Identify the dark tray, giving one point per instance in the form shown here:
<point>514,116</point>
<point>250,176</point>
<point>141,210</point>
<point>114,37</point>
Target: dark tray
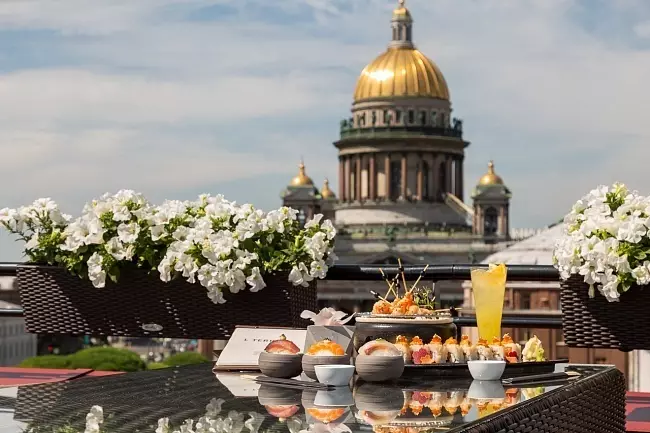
<point>461,370</point>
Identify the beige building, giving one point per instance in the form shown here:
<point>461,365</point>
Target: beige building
<point>400,176</point>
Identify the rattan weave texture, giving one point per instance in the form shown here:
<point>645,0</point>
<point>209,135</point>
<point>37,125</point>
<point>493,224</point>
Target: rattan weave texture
<point>595,404</point>
<point>58,302</point>
<point>595,322</point>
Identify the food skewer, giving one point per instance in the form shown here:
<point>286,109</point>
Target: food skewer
<point>401,269</point>
<point>420,277</point>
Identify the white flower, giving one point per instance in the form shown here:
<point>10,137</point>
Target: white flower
<point>603,241</point>
<point>255,280</point>
<point>318,269</point>
<point>299,275</point>
<point>314,222</point>
<point>96,273</point>
<point>116,248</point>
<point>93,420</point>
<point>214,407</point>
<point>128,233</point>
<point>163,425</point>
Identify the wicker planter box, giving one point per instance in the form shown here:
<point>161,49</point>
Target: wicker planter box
<point>141,305</point>
<point>595,322</point>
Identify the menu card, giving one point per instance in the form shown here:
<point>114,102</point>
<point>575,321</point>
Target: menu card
<point>244,347</point>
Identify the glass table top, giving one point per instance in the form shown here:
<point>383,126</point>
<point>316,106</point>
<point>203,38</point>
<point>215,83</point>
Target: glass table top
<point>196,399</point>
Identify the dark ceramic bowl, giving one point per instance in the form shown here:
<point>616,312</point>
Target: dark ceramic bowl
<point>280,365</point>
<point>375,397</point>
<point>310,361</point>
<point>275,396</point>
<point>379,368</point>
<point>369,328</point>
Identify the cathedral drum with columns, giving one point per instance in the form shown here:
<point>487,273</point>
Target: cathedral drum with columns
<point>400,175</point>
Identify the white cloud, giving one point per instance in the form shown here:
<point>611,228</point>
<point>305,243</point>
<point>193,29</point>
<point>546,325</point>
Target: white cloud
<point>142,98</point>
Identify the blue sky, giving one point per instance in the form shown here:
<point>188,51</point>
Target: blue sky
<point>176,97</point>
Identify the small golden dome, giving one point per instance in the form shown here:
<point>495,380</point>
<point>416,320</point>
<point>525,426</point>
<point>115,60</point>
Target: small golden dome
<point>401,11</point>
<point>302,179</point>
<point>401,71</point>
<point>326,192</point>
<point>490,178</point>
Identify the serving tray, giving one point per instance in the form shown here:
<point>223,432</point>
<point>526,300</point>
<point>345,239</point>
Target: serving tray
<point>461,370</point>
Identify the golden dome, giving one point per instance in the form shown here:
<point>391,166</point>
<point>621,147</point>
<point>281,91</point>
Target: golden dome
<point>326,192</point>
<point>301,179</point>
<point>401,71</point>
<point>490,178</point>
<point>401,11</point>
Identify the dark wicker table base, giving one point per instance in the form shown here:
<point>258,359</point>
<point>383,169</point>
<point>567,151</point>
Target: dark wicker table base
<point>592,405</point>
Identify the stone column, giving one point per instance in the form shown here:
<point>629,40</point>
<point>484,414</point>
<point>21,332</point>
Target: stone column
<point>372,178</point>
<point>387,176</point>
<point>357,178</point>
<point>501,223</point>
<point>341,179</point>
<point>348,195</point>
<point>419,178</point>
<point>404,177</point>
<point>435,178</point>
<point>449,174</point>
<point>459,178</point>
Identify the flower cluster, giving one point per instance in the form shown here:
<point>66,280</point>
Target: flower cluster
<point>606,241</point>
<point>212,241</point>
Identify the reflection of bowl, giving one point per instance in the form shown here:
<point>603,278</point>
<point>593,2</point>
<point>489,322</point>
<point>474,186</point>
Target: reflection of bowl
<point>486,370</point>
<point>379,368</point>
<point>310,361</point>
<point>371,327</point>
<point>335,375</point>
<point>378,417</point>
<point>280,365</point>
<point>486,390</point>
<point>341,396</point>
<point>374,398</point>
<point>274,396</point>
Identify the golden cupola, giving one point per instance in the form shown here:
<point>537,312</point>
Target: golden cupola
<point>301,178</point>
<point>326,192</point>
<point>490,178</point>
<point>402,70</point>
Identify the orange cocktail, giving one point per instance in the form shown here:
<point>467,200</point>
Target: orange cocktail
<point>489,288</point>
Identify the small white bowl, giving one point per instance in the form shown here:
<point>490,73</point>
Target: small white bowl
<point>486,390</point>
<point>334,374</point>
<point>339,397</point>
<point>486,370</point>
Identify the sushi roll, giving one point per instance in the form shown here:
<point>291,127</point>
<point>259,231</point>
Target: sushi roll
<point>511,349</point>
<point>379,347</point>
<point>497,349</point>
<point>325,347</point>
<point>419,401</point>
<point>453,402</point>
<point>416,344</point>
<point>282,346</point>
<point>438,350</point>
<point>402,344</point>
<point>436,403</point>
<point>422,355</point>
<point>483,350</point>
<point>469,351</point>
<point>465,406</point>
<point>455,354</point>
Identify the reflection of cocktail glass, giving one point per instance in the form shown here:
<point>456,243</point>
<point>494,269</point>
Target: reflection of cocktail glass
<point>489,288</point>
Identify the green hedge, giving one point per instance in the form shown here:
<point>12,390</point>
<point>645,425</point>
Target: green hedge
<point>156,366</point>
<point>96,358</point>
<point>185,358</point>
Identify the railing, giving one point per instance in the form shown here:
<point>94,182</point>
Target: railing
<point>551,320</point>
<point>378,131</point>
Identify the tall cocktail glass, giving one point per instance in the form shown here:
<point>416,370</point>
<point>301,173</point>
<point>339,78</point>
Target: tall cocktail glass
<point>489,288</point>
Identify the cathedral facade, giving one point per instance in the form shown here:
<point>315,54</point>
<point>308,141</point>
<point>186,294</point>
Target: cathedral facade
<point>400,174</point>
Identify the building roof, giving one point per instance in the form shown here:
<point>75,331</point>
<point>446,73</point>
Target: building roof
<point>536,250</point>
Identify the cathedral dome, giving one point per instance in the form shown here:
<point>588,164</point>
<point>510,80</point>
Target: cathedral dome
<point>326,192</point>
<point>402,70</point>
<point>490,178</point>
<point>301,178</point>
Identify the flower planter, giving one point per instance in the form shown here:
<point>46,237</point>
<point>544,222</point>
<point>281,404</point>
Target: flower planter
<point>597,323</point>
<point>141,305</point>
